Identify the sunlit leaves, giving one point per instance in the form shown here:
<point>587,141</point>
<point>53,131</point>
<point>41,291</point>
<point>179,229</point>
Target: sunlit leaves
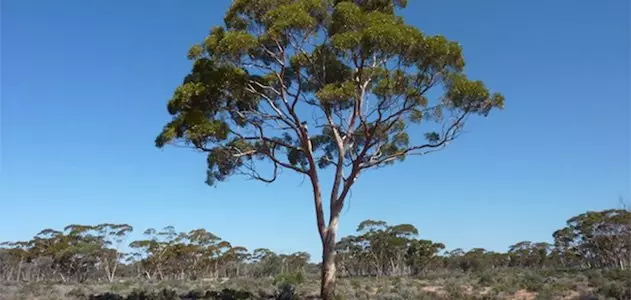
<point>600,235</point>
<point>195,52</point>
<point>347,17</point>
<point>371,32</point>
<point>385,6</point>
<point>436,54</point>
<point>277,65</point>
<point>471,95</point>
<point>382,248</point>
<point>288,17</point>
<point>228,44</point>
<point>337,92</point>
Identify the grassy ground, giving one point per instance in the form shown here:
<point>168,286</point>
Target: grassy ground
<point>505,284</point>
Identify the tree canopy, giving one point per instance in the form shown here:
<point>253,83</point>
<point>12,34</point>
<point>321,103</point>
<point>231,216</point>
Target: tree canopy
<point>303,85</point>
<point>311,83</point>
<point>79,253</point>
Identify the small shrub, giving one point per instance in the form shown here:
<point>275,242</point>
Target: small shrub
<point>107,296</point>
<point>77,292</point>
<point>118,287</point>
<point>286,291</point>
<point>532,282</point>
<point>616,290</point>
<point>586,296</point>
<point>289,278</point>
<point>546,295</point>
<point>390,296</point>
<point>504,288</point>
<point>455,291</point>
<point>196,294</point>
<point>617,274</point>
<point>486,279</point>
<point>228,294</point>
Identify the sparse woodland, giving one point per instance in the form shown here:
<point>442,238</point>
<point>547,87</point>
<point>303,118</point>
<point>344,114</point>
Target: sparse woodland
<point>595,241</point>
<point>325,90</point>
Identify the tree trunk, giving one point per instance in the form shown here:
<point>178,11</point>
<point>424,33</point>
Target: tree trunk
<point>327,288</point>
<point>113,273</point>
<point>20,269</point>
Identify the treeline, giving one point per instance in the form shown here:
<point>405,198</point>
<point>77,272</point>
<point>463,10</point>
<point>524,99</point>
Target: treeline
<point>79,253</point>
<point>596,239</point>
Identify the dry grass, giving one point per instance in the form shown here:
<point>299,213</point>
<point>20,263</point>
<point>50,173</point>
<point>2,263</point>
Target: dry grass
<point>507,284</point>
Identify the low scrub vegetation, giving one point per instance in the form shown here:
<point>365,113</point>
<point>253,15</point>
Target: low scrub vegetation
<point>494,284</point>
<point>590,259</point>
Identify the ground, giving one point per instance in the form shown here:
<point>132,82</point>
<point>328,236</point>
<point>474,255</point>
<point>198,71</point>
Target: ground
<point>498,284</point>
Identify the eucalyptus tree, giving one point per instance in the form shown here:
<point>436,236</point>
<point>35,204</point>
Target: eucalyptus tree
<point>351,257</point>
<point>205,249</point>
<point>596,239</point>
<point>294,262</point>
<point>113,237</point>
<point>529,254</point>
<point>234,259</point>
<point>423,255</point>
<point>267,262</point>
<point>303,85</point>
<point>155,250</point>
<point>12,259</point>
<point>380,249</point>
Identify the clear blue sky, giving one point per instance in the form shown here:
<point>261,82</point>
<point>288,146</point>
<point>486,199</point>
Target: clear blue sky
<point>84,92</point>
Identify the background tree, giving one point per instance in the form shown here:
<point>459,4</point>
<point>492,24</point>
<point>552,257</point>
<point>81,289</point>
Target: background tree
<point>422,255</point>
<point>596,239</point>
<point>80,253</point>
<point>113,236</point>
<point>309,84</point>
<point>528,254</point>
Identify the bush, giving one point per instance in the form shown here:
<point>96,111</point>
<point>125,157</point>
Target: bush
<point>486,279</point>
<point>107,296</point>
<point>286,291</point>
<point>286,285</point>
<point>532,282</point>
<point>455,291</point>
<point>228,294</point>
<point>289,278</point>
<point>390,296</point>
<point>617,274</point>
<point>77,292</point>
<point>587,296</point>
<point>616,290</point>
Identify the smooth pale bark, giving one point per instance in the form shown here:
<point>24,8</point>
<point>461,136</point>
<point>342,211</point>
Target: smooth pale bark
<point>329,274</point>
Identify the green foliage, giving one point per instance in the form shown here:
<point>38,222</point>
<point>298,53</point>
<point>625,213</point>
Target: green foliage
<point>532,282</point>
<point>293,279</point>
<point>486,279</point>
<point>353,69</point>
<point>178,260</point>
<point>603,237</point>
<point>615,290</point>
<point>437,286</point>
<point>276,63</point>
<point>614,284</point>
<point>120,286</point>
<point>78,293</point>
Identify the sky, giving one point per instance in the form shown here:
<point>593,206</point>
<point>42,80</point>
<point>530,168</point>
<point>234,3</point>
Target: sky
<point>84,87</point>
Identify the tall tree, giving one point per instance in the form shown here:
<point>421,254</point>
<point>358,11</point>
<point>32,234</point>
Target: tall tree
<point>598,238</point>
<point>310,84</point>
<point>113,236</point>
